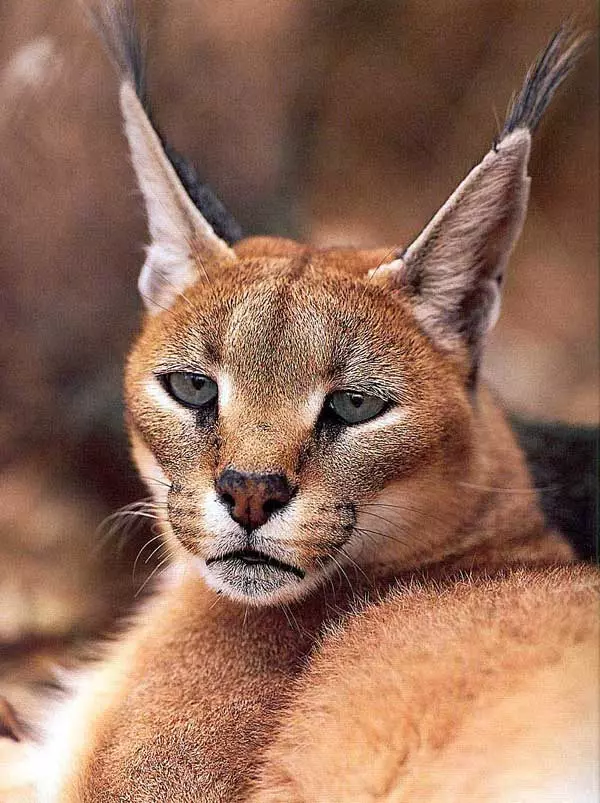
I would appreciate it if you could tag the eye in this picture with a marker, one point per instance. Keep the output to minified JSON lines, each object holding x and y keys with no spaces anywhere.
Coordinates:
{"x":193,"y":390}
{"x":354,"y":408}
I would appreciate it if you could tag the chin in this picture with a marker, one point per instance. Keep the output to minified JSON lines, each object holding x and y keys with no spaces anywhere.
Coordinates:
{"x":256,"y":579}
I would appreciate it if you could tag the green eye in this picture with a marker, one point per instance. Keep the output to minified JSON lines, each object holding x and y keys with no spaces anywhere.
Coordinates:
{"x":354,"y":408}
{"x":193,"y":390}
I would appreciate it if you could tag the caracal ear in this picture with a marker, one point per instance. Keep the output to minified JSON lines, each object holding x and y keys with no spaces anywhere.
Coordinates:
{"x":453,"y":271}
{"x":181,"y":239}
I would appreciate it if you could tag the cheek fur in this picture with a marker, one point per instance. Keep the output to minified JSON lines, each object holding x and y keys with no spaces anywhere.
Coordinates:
{"x":362,"y":463}
{"x":180,"y":441}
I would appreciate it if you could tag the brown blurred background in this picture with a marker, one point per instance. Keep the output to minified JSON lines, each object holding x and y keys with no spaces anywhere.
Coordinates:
{"x":342,"y":121}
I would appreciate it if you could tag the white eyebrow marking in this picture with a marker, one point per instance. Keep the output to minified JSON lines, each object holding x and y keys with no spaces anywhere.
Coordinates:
{"x":312,"y":406}
{"x":225,"y":386}
{"x":160,"y":396}
{"x":394,"y":416}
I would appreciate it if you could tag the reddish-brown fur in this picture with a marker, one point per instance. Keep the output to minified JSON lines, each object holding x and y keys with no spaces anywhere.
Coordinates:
{"x":262,"y":673}
{"x":186,"y":707}
{"x":473,"y":690}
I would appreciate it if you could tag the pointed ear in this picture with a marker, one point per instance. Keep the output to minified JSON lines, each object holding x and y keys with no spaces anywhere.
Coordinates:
{"x":181,"y":239}
{"x":453,"y":271}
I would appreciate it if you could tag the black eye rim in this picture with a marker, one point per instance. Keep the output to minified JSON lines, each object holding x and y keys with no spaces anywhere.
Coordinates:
{"x":165,"y":379}
{"x":331,"y":412}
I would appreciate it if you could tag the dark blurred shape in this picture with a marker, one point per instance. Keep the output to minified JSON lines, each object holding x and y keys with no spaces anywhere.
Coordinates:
{"x":543,"y":78}
{"x":563,"y":460}
{"x":9,"y":724}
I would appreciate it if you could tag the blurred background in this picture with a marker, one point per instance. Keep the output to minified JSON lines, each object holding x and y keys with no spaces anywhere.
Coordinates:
{"x":343,"y":121}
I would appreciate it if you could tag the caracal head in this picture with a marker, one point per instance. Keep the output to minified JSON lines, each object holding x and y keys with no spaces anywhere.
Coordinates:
{"x":299,"y":411}
{"x":276,"y":403}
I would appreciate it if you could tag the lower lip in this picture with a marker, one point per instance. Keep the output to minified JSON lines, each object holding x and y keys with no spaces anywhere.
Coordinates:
{"x":256,"y":561}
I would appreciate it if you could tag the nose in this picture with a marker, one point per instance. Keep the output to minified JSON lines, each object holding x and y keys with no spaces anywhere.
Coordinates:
{"x":251,"y":498}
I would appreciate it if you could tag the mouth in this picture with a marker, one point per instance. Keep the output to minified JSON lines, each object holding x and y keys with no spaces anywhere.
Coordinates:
{"x":253,"y":577}
{"x":250,"y":557}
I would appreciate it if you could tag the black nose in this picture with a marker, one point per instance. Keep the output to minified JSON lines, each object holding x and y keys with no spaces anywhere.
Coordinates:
{"x":251,"y":498}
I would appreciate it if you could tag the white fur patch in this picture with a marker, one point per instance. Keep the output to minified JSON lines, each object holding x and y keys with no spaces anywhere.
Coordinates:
{"x":64,"y":736}
{"x":72,"y":719}
{"x":162,"y":399}
{"x":217,"y":519}
{"x":393,"y":417}
{"x":273,"y":538}
{"x":312,"y":407}
{"x":226,"y":390}
{"x":165,"y":275}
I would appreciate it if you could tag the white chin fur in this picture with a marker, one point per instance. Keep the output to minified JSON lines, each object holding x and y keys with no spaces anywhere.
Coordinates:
{"x":247,"y":586}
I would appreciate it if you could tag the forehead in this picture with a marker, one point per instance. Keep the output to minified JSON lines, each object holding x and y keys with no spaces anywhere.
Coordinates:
{"x":284,"y":322}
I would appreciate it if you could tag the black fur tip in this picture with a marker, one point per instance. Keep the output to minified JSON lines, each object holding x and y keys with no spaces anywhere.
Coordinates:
{"x":116,"y":24}
{"x":542,"y":80}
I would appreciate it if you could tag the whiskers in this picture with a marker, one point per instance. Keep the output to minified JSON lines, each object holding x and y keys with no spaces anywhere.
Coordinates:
{"x":163,"y":564}
{"x":408,"y":513}
{"x":374,"y":534}
{"x":530,"y":491}
{"x":356,"y":565}
{"x":156,"y":481}
{"x":291,"y":619}
{"x":156,"y":537}
{"x":122,"y":525}
{"x":125,"y":522}
{"x":412,"y":528}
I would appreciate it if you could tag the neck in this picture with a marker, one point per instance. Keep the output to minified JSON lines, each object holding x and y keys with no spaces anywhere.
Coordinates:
{"x":504,"y":524}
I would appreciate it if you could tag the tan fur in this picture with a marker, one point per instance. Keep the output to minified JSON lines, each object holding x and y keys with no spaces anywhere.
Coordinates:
{"x":477,"y":690}
{"x":246,"y":666}
{"x":187,"y":704}
{"x":449,"y":459}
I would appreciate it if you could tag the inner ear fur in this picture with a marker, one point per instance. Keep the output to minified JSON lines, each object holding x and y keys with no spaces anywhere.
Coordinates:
{"x":453,"y":271}
{"x":181,"y":239}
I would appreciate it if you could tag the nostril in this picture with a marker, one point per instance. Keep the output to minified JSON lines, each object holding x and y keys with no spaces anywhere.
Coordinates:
{"x":271,"y":506}
{"x":251,"y":498}
{"x":228,"y":500}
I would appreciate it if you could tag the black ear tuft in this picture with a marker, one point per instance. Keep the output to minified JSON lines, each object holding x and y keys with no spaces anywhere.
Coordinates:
{"x":116,"y":23}
{"x":453,"y":271}
{"x":543,"y":78}
{"x":222,"y":222}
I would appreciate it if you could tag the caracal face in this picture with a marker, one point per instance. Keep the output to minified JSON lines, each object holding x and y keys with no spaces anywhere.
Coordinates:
{"x":321,"y":395}
{"x":297,"y":410}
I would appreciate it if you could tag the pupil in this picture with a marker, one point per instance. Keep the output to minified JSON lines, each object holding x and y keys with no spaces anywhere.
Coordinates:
{"x":197,"y":382}
{"x":356,"y":400}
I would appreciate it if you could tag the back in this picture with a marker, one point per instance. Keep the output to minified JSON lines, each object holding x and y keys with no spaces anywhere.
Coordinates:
{"x":410,"y":699}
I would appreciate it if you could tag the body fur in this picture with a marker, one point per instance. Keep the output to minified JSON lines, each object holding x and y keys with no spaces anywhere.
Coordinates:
{"x":475,"y":689}
{"x":186,"y":706}
{"x":313,"y":430}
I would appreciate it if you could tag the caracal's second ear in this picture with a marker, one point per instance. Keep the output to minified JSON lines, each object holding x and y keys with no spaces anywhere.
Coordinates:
{"x":181,"y":239}
{"x":453,"y":271}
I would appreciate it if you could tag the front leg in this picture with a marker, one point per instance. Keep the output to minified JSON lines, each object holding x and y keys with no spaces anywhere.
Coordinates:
{"x":183,"y":707}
